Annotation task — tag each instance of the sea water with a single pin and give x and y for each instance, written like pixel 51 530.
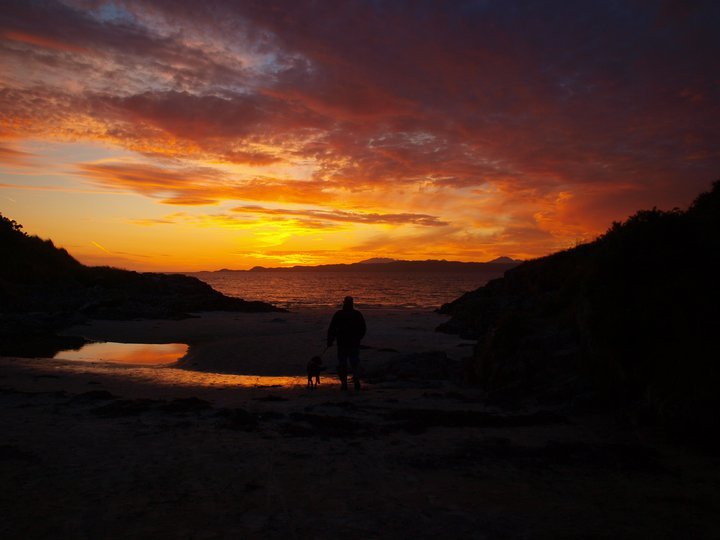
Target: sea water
pixel 297 289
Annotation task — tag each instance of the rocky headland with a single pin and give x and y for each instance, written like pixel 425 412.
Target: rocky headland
pixel 626 322
pixel 44 289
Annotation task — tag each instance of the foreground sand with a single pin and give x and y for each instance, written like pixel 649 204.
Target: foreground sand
pixel 194 451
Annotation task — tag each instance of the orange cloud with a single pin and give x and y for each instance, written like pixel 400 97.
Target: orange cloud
pixel 202 185
pixel 192 186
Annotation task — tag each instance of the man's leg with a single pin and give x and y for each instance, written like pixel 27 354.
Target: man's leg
pixel 354 356
pixel 342 367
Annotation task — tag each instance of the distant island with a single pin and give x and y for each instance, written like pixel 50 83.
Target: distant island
pixel 381 264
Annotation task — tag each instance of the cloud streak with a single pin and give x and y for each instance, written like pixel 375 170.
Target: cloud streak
pixel 15 157
pixel 200 186
pixel 422 220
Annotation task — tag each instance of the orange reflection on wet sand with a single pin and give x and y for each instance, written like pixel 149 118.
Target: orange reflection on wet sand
pixel 127 353
pixel 151 363
pixel 181 377
pixel 171 376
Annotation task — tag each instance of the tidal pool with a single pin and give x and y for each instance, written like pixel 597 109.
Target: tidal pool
pixel 127 353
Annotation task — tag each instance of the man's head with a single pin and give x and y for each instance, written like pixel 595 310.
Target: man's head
pixel 348 302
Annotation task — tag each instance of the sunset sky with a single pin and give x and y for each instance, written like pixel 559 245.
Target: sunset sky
pixel 178 135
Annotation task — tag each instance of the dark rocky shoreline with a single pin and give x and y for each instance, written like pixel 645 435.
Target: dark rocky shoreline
pixel 43 289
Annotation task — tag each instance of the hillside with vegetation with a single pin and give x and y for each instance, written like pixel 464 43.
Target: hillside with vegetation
pixel 629 321
pixel 43 288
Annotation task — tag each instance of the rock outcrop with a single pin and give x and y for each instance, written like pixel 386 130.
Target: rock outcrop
pixel 625 319
pixel 43 288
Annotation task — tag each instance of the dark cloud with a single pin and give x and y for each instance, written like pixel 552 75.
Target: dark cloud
pixel 582 93
pixel 125 45
pixel 207 118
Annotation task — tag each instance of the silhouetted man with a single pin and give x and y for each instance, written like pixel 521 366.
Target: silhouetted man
pixel 348 327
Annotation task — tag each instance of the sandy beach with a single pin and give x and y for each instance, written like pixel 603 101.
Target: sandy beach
pixel 229 443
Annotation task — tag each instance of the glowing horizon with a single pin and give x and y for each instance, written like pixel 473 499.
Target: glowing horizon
pixel 158 136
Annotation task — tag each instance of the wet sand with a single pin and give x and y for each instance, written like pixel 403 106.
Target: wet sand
pixel 92 450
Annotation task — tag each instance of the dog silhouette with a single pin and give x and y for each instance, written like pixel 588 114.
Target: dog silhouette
pixel 314 367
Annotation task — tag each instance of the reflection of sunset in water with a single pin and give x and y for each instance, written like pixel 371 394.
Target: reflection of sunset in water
pixel 195 378
pixel 127 353
pixel 173 376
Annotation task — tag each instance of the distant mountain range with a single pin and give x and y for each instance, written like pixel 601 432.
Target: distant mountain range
pixel 384 260
pixel 381 264
pixel 378 260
